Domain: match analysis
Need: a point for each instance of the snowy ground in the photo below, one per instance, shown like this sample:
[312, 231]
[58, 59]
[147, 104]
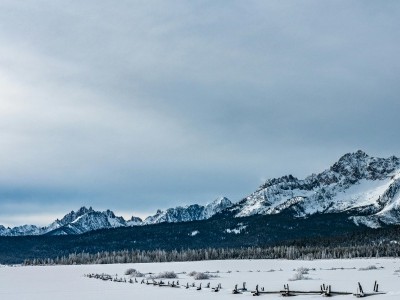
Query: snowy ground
[69, 282]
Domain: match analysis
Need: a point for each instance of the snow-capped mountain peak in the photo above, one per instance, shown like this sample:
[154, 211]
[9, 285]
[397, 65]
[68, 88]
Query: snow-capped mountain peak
[134, 221]
[85, 220]
[357, 184]
[187, 213]
[72, 216]
[359, 165]
[215, 207]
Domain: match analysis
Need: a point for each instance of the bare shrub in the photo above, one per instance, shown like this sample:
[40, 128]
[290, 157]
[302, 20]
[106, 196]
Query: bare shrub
[303, 270]
[130, 271]
[167, 275]
[371, 267]
[299, 276]
[133, 273]
[201, 276]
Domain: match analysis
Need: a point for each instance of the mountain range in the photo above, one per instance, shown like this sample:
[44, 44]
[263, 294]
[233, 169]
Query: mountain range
[365, 189]
[87, 219]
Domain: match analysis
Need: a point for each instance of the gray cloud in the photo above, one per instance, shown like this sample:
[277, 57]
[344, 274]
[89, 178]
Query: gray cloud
[146, 104]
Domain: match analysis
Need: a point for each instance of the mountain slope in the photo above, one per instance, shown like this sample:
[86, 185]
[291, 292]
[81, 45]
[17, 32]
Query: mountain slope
[89, 221]
[366, 188]
[20, 230]
[193, 212]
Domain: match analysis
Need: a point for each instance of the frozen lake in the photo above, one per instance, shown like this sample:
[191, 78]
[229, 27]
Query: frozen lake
[69, 282]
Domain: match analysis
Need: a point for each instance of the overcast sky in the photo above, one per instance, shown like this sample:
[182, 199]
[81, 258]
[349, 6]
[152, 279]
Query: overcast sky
[139, 105]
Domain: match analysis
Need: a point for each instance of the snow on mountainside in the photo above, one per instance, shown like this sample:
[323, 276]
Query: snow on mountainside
[189, 213]
[68, 218]
[83, 220]
[215, 207]
[134, 221]
[367, 188]
[87, 219]
[20, 230]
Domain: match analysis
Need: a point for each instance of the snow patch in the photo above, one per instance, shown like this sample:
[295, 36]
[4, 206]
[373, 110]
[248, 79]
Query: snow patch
[194, 233]
[236, 230]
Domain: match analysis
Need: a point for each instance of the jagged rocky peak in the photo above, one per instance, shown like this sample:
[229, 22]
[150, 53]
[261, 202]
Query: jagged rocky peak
[87, 219]
[3, 230]
[83, 210]
[134, 221]
[216, 207]
[287, 179]
[109, 213]
[359, 165]
[70, 217]
[221, 200]
[218, 204]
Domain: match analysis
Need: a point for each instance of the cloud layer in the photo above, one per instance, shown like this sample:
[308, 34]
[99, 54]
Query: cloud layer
[138, 105]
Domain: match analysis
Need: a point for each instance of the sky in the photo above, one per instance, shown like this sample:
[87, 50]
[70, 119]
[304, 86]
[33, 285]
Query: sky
[140, 105]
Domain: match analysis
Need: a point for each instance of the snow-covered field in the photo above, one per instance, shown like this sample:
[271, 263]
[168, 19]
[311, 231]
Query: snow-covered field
[69, 282]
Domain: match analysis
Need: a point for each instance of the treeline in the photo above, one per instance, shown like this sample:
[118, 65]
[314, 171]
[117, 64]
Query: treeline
[272, 236]
[277, 252]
